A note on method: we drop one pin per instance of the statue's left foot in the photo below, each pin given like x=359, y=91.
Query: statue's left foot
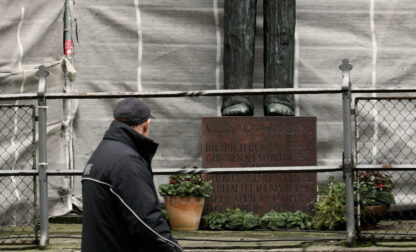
x=278, y=109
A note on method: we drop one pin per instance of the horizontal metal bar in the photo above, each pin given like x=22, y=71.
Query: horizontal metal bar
x=167, y=171
x=378, y=98
x=19, y=173
x=194, y=93
x=17, y=106
x=26, y=96
x=397, y=167
x=36, y=172
x=384, y=90
x=64, y=172
x=162, y=94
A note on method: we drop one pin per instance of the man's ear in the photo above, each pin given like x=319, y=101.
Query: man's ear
x=146, y=126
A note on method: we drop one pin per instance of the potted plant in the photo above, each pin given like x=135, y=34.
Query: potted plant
x=184, y=198
x=375, y=196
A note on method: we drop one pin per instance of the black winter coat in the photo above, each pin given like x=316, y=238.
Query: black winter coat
x=121, y=211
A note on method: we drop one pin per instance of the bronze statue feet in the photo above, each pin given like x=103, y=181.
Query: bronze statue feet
x=240, y=109
x=278, y=109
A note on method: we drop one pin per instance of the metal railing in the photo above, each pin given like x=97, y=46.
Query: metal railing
x=347, y=167
x=18, y=197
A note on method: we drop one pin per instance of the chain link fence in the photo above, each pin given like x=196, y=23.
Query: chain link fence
x=385, y=135
x=18, y=194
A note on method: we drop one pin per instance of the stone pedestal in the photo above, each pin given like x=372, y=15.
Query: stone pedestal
x=260, y=142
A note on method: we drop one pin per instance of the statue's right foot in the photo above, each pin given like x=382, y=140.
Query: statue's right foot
x=240, y=109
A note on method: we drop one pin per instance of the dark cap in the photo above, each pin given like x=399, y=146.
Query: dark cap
x=132, y=111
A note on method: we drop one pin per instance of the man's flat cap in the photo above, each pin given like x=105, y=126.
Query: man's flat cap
x=132, y=111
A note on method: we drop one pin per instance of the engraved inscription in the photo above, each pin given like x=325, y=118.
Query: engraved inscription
x=260, y=142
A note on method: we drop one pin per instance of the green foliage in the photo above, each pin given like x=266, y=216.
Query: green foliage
x=329, y=214
x=231, y=219
x=330, y=208
x=214, y=221
x=236, y=219
x=287, y=220
x=187, y=185
x=165, y=215
x=334, y=189
x=375, y=188
x=241, y=220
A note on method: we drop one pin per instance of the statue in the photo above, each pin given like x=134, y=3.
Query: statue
x=239, y=37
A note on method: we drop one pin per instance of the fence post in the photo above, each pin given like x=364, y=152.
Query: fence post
x=43, y=159
x=345, y=67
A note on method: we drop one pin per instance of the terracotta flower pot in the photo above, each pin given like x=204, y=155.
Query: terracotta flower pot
x=184, y=212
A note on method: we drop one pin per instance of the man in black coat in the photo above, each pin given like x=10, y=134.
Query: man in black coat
x=121, y=211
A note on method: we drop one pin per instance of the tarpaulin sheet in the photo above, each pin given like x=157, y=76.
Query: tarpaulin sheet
x=31, y=35
x=162, y=45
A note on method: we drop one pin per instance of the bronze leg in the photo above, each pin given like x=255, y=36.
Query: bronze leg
x=239, y=37
x=279, y=49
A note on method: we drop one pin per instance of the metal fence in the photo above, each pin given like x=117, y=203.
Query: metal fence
x=385, y=134
x=18, y=194
x=366, y=153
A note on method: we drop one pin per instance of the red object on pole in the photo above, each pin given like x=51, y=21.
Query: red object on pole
x=68, y=47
